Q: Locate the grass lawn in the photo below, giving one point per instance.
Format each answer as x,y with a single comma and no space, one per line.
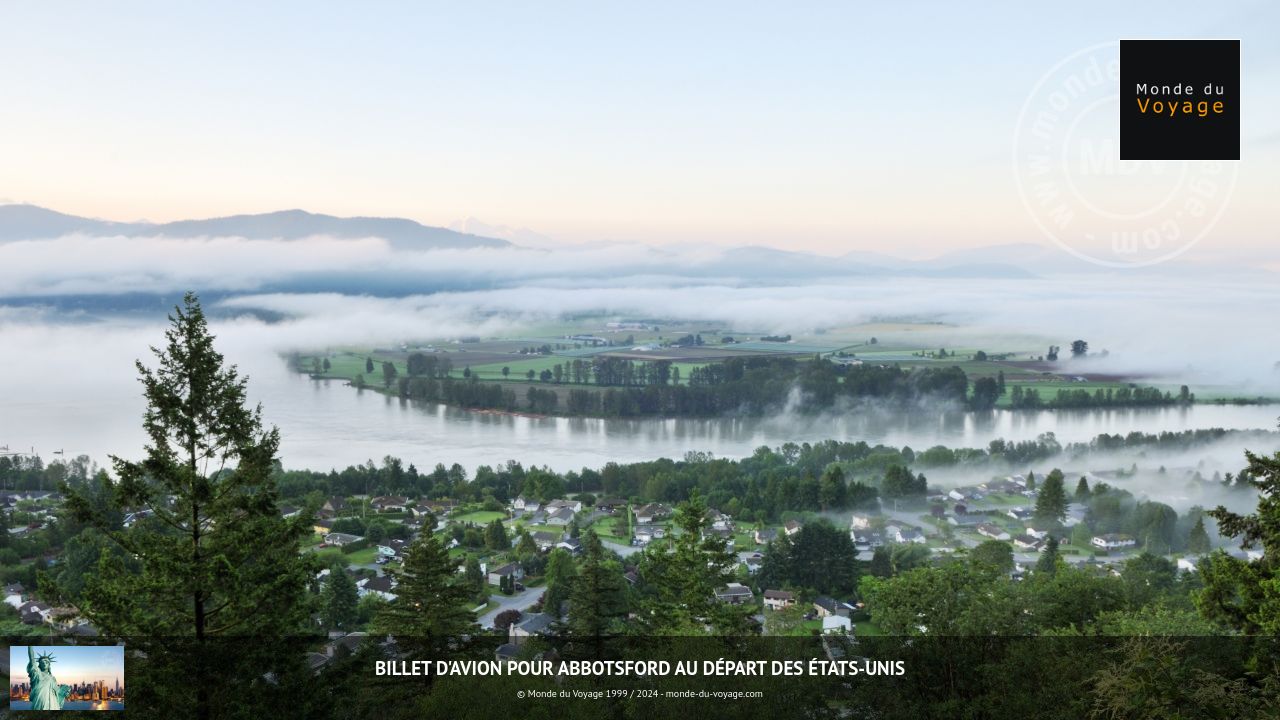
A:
362,557
1009,500
611,528
519,366
480,517
330,555
867,629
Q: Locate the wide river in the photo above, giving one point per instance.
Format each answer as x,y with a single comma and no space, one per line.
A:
327,424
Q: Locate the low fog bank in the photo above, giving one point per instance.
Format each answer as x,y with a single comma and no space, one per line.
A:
1192,476
1205,333
1206,329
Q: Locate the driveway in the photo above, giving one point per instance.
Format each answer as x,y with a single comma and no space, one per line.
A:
518,601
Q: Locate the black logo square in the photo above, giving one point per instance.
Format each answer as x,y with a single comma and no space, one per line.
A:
1179,99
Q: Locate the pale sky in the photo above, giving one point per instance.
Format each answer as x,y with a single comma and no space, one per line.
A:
822,126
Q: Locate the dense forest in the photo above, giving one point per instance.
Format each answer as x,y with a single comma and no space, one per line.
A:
619,387
611,387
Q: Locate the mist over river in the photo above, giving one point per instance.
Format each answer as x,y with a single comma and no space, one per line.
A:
326,424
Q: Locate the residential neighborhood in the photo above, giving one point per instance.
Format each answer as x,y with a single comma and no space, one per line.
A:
508,552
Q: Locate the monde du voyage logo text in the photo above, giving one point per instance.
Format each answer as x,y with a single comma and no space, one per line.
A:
1180,99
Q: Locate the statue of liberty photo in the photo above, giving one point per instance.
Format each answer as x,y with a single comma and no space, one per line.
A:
46,693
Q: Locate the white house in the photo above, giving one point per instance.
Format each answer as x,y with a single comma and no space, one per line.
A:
765,536
574,505
1037,532
390,503
1113,541
646,514
778,599
536,624
908,535
381,586
719,521
836,625
735,594
860,522
560,516
995,532
13,595
1026,542
646,534
512,570
338,539
391,548
1001,486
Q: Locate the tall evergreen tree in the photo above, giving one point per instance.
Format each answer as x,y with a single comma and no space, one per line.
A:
431,613
1047,563
1246,595
832,489
561,574
681,576
820,557
1198,539
1051,500
341,600
881,564
526,545
598,600
1082,490
212,557
495,536
473,575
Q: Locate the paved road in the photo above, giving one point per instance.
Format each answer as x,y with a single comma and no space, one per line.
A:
518,601
625,551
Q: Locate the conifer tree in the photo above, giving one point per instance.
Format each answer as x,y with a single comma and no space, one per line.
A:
1051,500
1246,595
1198,539
598,600
1048,560
210,556
526,544
681,583
1082,489
495,536
431,613
341,600
562,573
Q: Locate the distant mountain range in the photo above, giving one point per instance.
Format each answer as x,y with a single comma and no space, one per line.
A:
748,263
29,222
